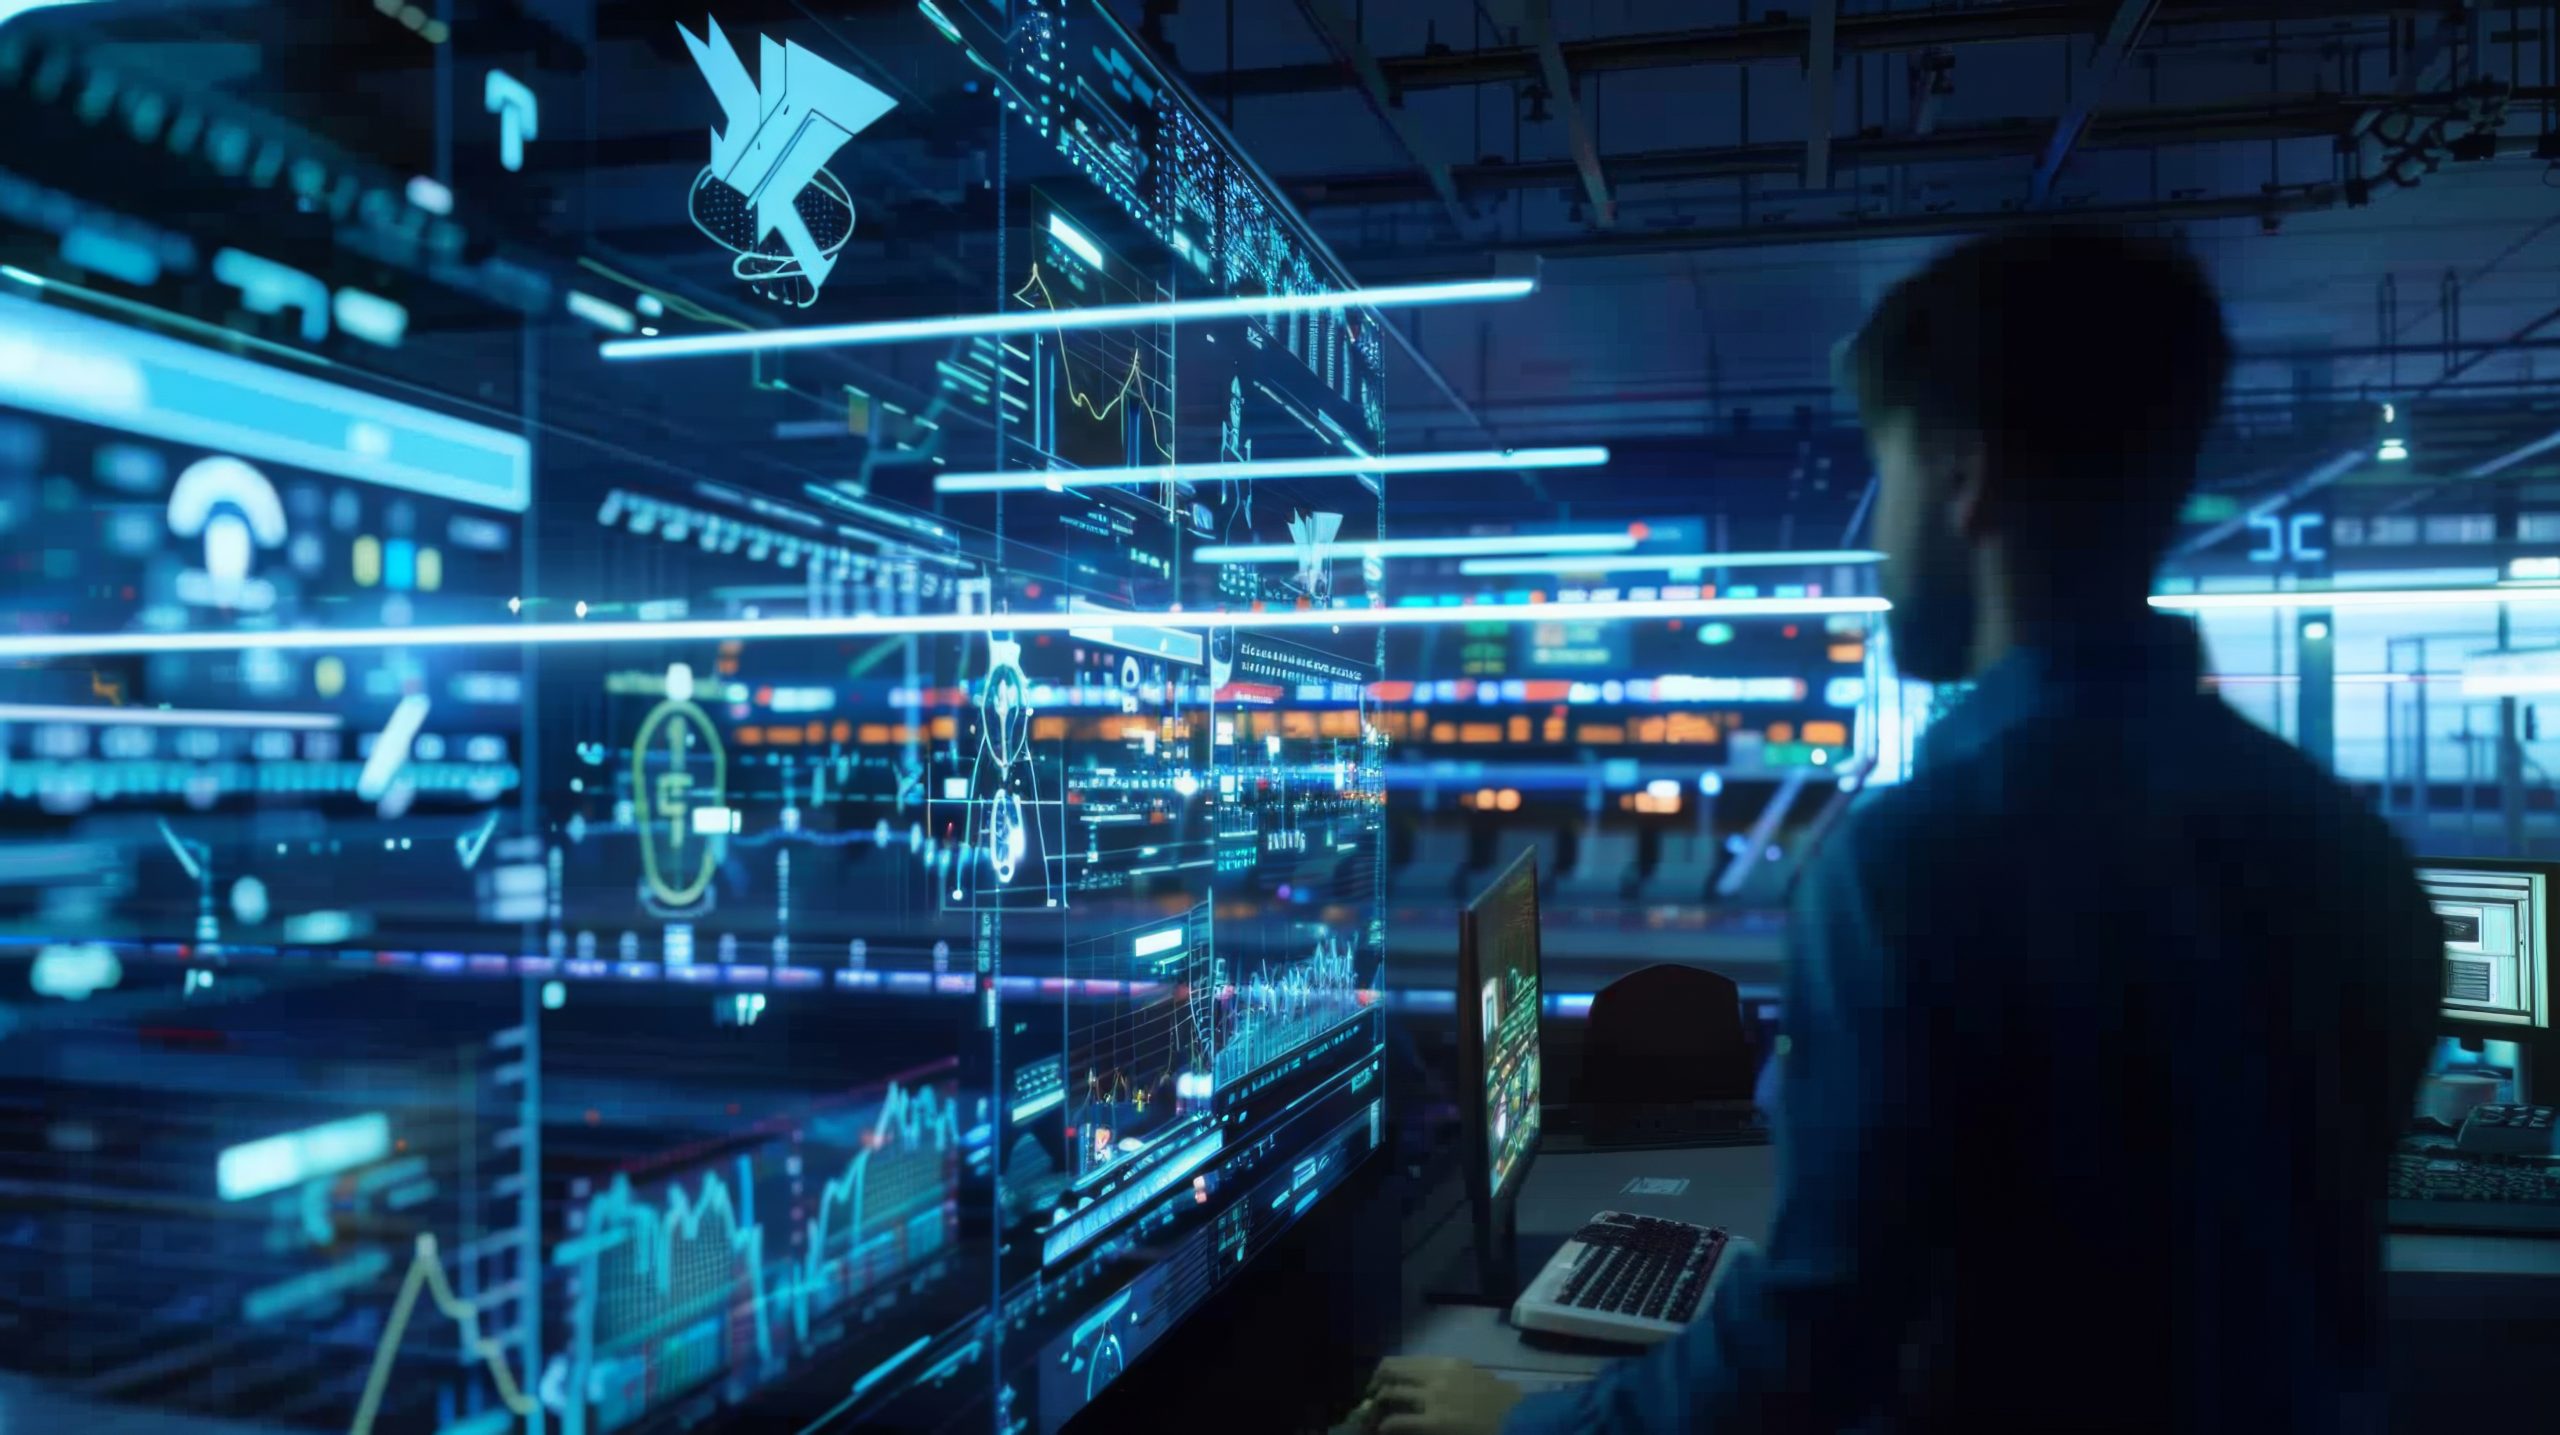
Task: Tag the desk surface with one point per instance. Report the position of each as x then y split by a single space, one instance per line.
1735 1187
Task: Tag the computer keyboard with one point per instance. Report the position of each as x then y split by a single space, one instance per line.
1627 1278
2508 1130
2472 1176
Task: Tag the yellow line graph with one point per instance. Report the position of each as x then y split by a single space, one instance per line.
426 1272
1130 382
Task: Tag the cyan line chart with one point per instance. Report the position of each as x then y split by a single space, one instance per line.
426 1274
1274 1012
669 1285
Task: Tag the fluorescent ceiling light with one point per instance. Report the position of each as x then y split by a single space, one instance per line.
1670 563
1457 547
1040 321
722 630
166 717
2353 598
1326 466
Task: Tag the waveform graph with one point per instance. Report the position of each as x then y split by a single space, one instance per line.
1136 1030
739 1270
1277 1008
294 1200
1095 398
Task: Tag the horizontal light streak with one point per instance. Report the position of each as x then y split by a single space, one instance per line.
2294 598
1249 470
1673 562
167 717
1452 547
712 630
1041 321
1038 1104
2511 685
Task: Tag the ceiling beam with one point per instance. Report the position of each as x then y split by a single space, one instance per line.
1784 38
2133 18
1341 35
1541 30
1822 33
1377 264
2309 116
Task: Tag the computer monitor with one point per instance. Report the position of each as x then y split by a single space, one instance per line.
1499 992
2498 939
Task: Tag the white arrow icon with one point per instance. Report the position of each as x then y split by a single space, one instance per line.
778 137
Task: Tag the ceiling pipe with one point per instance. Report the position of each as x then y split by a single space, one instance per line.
2293 117
1786 38
1370 264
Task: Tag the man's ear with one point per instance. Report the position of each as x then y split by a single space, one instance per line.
1966 479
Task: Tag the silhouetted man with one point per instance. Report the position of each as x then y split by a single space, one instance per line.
2101 1028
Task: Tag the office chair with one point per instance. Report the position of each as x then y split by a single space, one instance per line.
1666 1035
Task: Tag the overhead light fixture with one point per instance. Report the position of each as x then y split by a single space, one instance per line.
1455 547
12 9
1672 562
1041 321
728 630
2515 673
2351 598
2392 445
1327 466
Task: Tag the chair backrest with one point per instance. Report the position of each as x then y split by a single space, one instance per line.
1605 857
1510 842
1442 843
1681 850
1666 1035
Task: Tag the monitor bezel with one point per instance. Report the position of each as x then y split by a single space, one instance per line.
1495 1211
2546 1028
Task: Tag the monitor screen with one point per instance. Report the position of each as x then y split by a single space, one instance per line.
2496 946
1505 919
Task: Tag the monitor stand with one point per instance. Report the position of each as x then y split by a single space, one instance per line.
1488 1269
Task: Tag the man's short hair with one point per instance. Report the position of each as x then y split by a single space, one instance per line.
2090 360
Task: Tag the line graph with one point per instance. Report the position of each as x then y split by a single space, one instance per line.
1274 1012
675 1287
1131 383
426 1274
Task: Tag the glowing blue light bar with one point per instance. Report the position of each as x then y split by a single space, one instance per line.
72 366
1675 562
603 313
280 1163
1038 1104
1041 321
2293 598
1093 1220
168 717
1325 466
1072 237
1423 547
725 630
12 9
881 1371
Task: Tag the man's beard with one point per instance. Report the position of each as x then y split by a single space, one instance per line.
1934 604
